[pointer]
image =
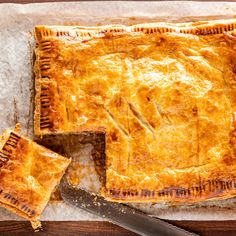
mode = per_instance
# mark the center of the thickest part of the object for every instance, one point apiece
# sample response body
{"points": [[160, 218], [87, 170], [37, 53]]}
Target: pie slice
{"points": [[165, 95], [28, 175]]}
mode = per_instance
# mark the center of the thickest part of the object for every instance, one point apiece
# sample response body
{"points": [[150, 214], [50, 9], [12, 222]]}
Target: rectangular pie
{"points": [[163, 93], [28, 175]]}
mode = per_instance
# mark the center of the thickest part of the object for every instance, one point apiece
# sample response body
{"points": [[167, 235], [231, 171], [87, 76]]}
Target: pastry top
{"points": [[72, 58], [28, 174], [164, 93]]}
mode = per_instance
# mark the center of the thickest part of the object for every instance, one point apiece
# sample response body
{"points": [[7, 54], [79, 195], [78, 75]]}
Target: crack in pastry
{"points": [[164, 94], [162, 113]]}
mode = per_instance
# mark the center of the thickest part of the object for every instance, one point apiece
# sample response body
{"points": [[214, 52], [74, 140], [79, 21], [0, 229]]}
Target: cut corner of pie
{"points": [[28, 175], [163, 92]]}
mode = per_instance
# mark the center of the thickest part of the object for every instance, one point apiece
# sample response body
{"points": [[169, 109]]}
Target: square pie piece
{"points": [[28, 175], [163, 93]]}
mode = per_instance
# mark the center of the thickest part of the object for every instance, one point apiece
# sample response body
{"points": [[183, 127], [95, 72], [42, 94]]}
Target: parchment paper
{"points": [[16, 83]]}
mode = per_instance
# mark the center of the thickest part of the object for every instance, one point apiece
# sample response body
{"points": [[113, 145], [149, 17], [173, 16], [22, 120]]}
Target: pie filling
{"points": [[28, 175], [165, 95]]}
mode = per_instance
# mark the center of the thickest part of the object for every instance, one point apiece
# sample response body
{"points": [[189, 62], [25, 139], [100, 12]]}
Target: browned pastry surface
{"points": [[163, 93], [28, 175]]}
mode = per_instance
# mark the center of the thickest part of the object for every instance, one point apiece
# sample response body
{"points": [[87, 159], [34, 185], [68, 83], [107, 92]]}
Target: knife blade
{"points": [[119, 214]]}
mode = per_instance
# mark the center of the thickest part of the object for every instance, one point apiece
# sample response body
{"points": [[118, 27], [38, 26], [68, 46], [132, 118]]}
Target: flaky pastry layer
{"points": [[28, 175], [164, 94]]}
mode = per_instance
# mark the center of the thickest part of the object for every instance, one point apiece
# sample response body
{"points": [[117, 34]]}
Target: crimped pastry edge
{"points": [[83, 32]]}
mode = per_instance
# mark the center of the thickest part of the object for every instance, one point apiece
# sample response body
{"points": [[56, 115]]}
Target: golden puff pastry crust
{"points": [[164, 93], [28, 175]]}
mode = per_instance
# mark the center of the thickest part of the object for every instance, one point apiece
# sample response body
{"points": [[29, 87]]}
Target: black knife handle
{"points": [[120, 214]]}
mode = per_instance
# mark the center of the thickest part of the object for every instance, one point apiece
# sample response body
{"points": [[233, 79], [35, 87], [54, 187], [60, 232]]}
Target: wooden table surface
{"points": [[100, 228]]}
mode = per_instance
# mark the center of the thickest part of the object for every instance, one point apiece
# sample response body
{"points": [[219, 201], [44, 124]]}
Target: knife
{"points": [[119, 214]]}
